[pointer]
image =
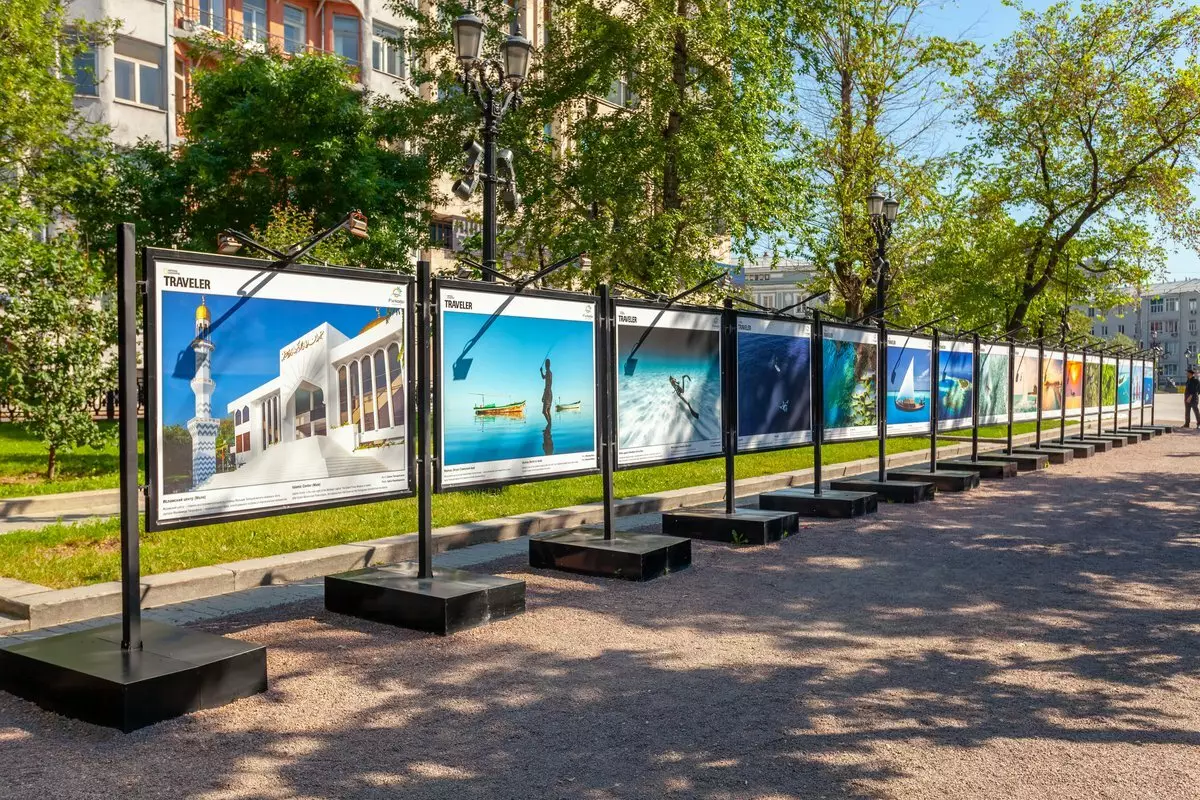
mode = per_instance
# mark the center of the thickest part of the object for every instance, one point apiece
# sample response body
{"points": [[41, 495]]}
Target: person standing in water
{"points": [[548, 391]]}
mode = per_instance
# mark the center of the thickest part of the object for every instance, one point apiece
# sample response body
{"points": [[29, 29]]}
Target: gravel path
{"points": [[1036, 638]]}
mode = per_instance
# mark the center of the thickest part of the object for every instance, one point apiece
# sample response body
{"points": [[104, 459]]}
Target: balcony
{"points": [[191, 22]]}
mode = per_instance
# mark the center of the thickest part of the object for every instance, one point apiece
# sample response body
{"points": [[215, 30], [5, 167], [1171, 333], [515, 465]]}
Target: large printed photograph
{"points": [[1091, 384], [518, 386], [1147, 383], [1052, 382], [276, 391], [1025, 384], [908, 364], [1135, 384], [1074, 381], [1124, 395], [1108, 384], [956, 365], [668, 367], [993, 383], [774, 400], [849, 361]]}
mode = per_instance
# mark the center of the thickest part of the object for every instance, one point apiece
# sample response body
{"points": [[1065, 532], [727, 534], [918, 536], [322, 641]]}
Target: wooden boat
{"points": [[907, 399], [500, 410], [568, 406]]}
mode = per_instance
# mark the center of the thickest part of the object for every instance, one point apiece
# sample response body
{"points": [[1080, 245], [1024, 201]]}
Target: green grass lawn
{"points": [[23, 464], [73, 555]]}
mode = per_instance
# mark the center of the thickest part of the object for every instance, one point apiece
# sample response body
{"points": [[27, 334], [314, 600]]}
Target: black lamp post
{"points": [[495, 85], [882, 211]]}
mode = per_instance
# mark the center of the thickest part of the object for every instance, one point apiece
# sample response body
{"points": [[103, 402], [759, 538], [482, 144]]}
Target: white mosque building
{"points": [[338, 407]]}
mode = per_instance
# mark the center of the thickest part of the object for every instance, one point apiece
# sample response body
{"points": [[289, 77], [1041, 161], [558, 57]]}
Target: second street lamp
{"points": [[495, 86]]}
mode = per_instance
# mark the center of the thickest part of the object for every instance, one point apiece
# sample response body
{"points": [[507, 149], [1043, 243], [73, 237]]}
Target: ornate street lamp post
{"points": [[882, 212], [495, 85]]}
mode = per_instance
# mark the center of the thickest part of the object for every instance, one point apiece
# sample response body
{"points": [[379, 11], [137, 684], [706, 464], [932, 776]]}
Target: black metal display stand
{"points": [[946, 480], [815, 500], [1143, 434], [603, 551], [1026, 462], [131, 674], [1056, 454], [418, 595], [893, 491], [1100, 445], [730, 524], [985, 467]]}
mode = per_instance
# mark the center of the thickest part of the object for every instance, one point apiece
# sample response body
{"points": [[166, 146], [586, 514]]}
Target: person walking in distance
{"points": [[1191, 399], [548, 392]]}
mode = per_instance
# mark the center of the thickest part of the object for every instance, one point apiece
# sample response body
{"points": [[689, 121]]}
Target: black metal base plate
{"points": [[1055, 455], [1145, 436], [87, 676], [985, 468], [1026, 462], [628, 556], [1099, 445], [1127, 438], [1112, 439], [452, 600], [1163, 428], [831, 503], [889, 491], [743, 526], [946, 480], [1153, 429]]}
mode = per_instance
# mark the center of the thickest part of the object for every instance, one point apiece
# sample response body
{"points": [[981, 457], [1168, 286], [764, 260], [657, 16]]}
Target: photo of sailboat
{"points": [[907, 407], [906, 399]]}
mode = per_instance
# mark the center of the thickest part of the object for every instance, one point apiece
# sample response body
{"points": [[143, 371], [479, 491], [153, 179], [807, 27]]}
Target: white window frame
{"points": [[1156, 305], [137, 81], [262, 35], [357, 38], [1171, 303], [384, 40], [303, 28]]}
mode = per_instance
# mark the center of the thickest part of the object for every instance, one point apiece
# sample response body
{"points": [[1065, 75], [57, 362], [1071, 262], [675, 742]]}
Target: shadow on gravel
{"points": [[1048, 608]]}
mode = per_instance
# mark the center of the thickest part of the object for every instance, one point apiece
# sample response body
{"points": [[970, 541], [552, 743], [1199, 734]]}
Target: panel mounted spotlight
{"points": [[227, 245], [504, 164], [474, 151], [511, 197], [464, 187]]}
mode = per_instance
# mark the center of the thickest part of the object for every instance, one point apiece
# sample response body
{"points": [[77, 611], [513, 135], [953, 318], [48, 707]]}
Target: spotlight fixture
{"points": [[474, 151], [227, 245], [464, 187], [356, 226], [511, 197], [504, 164]]}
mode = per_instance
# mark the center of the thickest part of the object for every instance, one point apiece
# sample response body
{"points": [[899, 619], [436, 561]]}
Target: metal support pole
{"points": [[489, 185], [1154, 387], [1012, 385], [976, 372], [729, 408], [1041, 383], [881, 390], [127, 290], [816, 369], [1129, 411], [1062, 397], [424, 333], [1083, 395], [606, 320], [1116, 405], [935, 393]]}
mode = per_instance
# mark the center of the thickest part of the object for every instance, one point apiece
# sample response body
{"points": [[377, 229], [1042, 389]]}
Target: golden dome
{"points": [[379, 319], [202, 312]]}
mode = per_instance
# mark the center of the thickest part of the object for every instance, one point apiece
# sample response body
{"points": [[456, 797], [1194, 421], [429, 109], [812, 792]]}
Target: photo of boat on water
{"points": [[1091, 384], [518, 387], [773, 383], [1025, 384], [1074, 380], [848, 367], [668, 384], [956, 367], [993, 384], [1052, 382], [908, 362], [1123, 393]]}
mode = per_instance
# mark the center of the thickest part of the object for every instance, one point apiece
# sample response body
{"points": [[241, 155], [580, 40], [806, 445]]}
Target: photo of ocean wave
{"points": [[1122, 383], [669, 390], [773, 384]]}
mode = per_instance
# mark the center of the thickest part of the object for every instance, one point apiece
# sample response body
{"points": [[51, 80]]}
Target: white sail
{"points": [[907, 392]]}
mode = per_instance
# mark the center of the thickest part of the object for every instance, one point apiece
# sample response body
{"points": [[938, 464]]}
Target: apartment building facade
{"points": [[1165, 315]]}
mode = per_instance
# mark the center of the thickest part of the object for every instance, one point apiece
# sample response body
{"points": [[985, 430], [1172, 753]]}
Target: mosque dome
{"points": [[202, 312], [377, 321]]}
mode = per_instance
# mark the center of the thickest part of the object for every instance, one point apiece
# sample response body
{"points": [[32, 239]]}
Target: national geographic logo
{"points": [[457, 305], [176, 282]]}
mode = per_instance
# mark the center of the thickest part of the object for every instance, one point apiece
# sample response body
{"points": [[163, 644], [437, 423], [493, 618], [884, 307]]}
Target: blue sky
{"points": [[247, 344], [986, 22]]}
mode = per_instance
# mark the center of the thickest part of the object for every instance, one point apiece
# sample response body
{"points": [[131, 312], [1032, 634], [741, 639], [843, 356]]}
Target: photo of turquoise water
{"points": [[1148, 389], [1123, 383], [993, 385], [773, 384], [500, 398], [668, 386], [955, 377], [849, 384], [1135, 383], [908, 385]]}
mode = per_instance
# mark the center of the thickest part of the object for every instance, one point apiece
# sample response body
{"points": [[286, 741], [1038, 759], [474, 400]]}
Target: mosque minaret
{"points": [[203, 427]]}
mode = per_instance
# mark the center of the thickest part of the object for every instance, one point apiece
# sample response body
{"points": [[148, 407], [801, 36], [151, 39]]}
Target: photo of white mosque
{"points": [[337, 408]]}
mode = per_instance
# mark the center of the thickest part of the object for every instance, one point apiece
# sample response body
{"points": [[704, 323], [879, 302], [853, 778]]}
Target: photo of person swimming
{"points": [[668, 367]]}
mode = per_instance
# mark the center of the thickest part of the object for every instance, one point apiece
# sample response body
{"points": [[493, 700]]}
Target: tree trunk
{"points": [[671, 198], [52, 463]]}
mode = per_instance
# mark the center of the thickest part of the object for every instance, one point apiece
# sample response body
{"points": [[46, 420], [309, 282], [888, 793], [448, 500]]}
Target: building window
{"points": [[1172, 327], [343, 405], [1156, 328], [254, 20], [368, 395], [83, 72], [1192, 326], [1104, 330], [397, 370], [1120, 329], [137, 69], [295, 29], [1170, 349], [345, 38], [1170, 370], [1156, 305], [212, 14], [619, 94], [1092, 311], [355, 409], [381, 390], [441, 234], [1192, 305], [1172, 303], [387, 51]]}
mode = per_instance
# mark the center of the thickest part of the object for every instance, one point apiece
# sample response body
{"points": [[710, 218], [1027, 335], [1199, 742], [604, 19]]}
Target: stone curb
{"points": [[39, 606], [97, 502]]}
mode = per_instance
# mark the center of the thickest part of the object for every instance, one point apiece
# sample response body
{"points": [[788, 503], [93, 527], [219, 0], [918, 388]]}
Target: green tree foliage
{"points": [[268, 130], [1089, 127], [54, 329], [687, 160]]}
